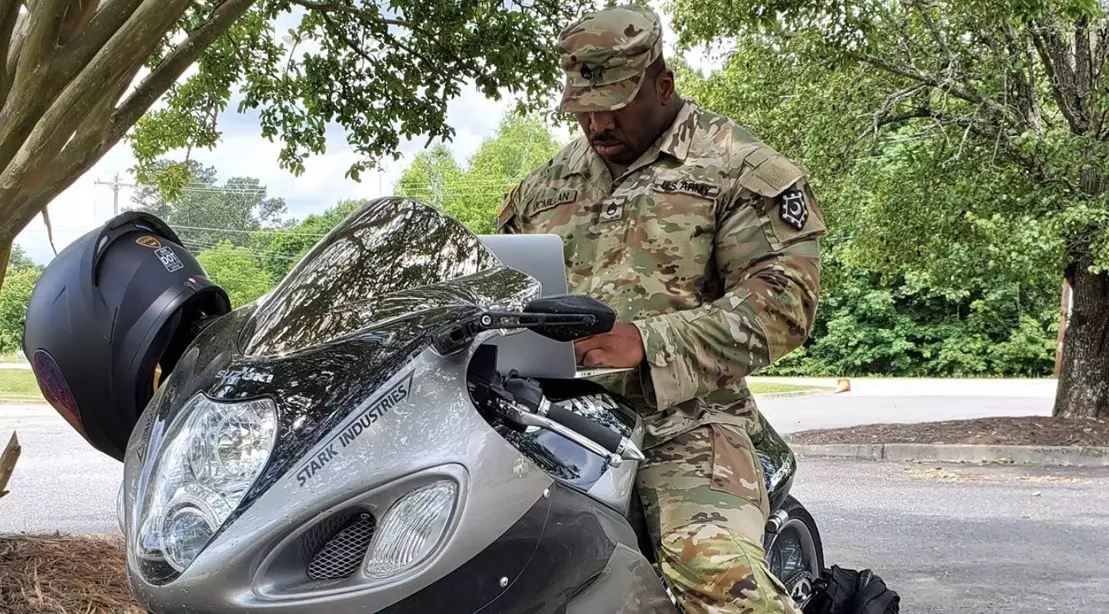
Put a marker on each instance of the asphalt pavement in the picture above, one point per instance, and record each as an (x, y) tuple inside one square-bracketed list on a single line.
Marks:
[(974, 539)]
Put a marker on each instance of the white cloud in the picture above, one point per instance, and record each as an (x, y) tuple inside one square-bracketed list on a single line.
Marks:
[(243, 152)]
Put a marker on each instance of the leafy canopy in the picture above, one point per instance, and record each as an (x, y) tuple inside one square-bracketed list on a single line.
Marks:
[(79, 75), (959, 137)]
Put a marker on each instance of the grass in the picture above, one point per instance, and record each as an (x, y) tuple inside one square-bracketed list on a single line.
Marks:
[(776, 388), (19, 385), (11, 357)]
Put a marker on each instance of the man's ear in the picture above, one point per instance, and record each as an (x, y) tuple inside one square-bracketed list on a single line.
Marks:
[(664, 85)]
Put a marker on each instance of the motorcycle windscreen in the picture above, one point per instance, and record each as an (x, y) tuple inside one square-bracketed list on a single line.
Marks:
[(391, 259)]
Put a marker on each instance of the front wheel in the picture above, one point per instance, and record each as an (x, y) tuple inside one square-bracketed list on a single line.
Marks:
[(794, 551)]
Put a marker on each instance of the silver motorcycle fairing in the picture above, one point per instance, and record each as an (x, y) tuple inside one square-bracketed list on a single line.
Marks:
[(434, 432)]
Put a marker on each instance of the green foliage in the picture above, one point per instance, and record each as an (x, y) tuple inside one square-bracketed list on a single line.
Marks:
[(946, 252), (19, 259), (872, 324), (280, 251), (18, 284), (235, 269), (381, 72), (948, 126), (474, 194), (206, 213)]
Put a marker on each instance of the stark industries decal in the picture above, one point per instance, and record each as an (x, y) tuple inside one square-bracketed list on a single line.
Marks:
[(354, 429)]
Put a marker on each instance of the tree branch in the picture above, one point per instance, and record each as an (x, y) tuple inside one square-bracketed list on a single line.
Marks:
[(1083, 70), (1000, 111), (980, 128), (174, 65), (1027, 102), (952, 62), (1101, 50), (890, 102), (50, 106), (357, 49), (901, 28), (104, 23), (331, 7), (15, 48), (77, 16), (1054, 55), (9, 15), (44, 25)]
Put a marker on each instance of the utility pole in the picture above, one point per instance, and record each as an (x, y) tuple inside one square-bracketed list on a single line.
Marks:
[(116, 185)]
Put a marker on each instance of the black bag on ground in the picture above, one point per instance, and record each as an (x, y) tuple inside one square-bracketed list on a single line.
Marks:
[(848, 591)]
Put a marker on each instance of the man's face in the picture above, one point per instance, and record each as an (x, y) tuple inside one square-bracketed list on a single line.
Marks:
[(621, 136)]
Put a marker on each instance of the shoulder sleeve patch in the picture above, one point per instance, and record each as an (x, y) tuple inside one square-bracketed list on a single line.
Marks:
[(793, 208)]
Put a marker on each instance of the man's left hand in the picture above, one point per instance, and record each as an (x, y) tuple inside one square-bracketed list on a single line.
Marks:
[(619, 348)]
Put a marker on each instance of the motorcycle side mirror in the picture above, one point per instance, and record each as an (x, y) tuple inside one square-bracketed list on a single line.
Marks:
[(563, 317), (594, 317)]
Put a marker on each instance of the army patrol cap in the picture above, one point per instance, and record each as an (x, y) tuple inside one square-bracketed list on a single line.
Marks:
[(605, 56)]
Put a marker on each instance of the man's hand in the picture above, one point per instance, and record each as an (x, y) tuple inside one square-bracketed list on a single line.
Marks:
[(619, 348)]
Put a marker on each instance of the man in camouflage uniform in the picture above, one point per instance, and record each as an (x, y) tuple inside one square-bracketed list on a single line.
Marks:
[(704, 241)]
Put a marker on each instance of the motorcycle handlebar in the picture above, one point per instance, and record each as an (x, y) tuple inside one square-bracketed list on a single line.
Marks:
[(606, 437)]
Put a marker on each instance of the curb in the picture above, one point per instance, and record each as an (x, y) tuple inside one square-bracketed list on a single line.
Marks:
[(1044, 456)]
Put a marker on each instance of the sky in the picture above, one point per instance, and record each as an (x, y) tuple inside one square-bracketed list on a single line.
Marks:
[(242, 151)]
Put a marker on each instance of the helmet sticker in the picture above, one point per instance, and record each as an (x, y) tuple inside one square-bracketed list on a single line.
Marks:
[(148, 241), (169, 259), (55, 389)]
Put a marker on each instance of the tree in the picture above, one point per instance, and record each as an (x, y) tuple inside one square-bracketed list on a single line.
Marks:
[(521, 144), (205, 213), (381, 73), (959, 132), (13, 306), (19, 259), (281, 250), (235, 269), (434, 178)]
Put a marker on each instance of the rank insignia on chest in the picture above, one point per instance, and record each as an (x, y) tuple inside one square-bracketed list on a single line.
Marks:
[(793, 209), (611, 211)]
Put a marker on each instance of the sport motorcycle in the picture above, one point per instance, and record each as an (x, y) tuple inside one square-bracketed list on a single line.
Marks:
[(348, 442)]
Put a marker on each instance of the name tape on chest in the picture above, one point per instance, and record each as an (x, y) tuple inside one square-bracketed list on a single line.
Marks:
[(686, 186), (563, 196), (793, 208)]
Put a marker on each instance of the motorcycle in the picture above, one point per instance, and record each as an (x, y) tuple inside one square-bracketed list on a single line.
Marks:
[(347, 444)]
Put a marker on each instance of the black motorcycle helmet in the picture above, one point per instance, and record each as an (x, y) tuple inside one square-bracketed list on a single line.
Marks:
[(115, 305)]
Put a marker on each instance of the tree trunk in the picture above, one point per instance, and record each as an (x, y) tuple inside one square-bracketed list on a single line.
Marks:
[(1084, 383), (5, 253)]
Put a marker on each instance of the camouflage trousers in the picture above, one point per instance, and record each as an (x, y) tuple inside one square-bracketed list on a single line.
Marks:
[(706, 507)]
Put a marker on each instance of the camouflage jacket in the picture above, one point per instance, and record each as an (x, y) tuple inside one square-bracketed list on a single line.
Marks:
[(708, 244)]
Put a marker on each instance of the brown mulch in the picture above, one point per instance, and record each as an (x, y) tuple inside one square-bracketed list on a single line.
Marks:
[(1017, 431), (64, 574)]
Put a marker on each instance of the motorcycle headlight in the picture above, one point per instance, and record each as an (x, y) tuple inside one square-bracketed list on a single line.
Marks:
[(212, 454)]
